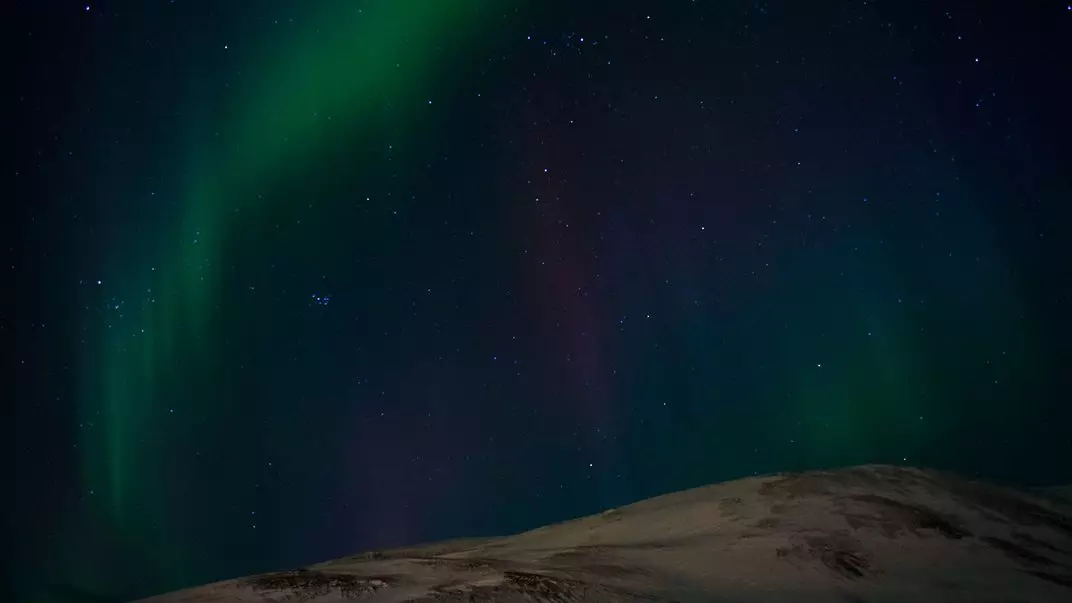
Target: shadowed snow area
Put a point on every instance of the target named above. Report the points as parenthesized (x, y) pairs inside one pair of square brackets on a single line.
[(870, 533)]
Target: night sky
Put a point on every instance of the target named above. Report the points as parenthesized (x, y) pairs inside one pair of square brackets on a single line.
[(289, 280)]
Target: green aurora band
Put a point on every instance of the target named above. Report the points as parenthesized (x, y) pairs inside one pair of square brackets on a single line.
[(350, 70)]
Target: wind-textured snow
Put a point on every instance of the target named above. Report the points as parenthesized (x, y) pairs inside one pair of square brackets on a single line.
[(870, 533)]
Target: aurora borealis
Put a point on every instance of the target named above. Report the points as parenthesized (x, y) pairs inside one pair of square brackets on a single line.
[(342, 74), (296, 280)]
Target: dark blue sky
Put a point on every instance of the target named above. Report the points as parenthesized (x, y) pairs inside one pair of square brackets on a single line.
[(302, 279)]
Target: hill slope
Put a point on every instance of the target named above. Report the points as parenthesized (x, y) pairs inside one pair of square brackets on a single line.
[(870, 533)]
